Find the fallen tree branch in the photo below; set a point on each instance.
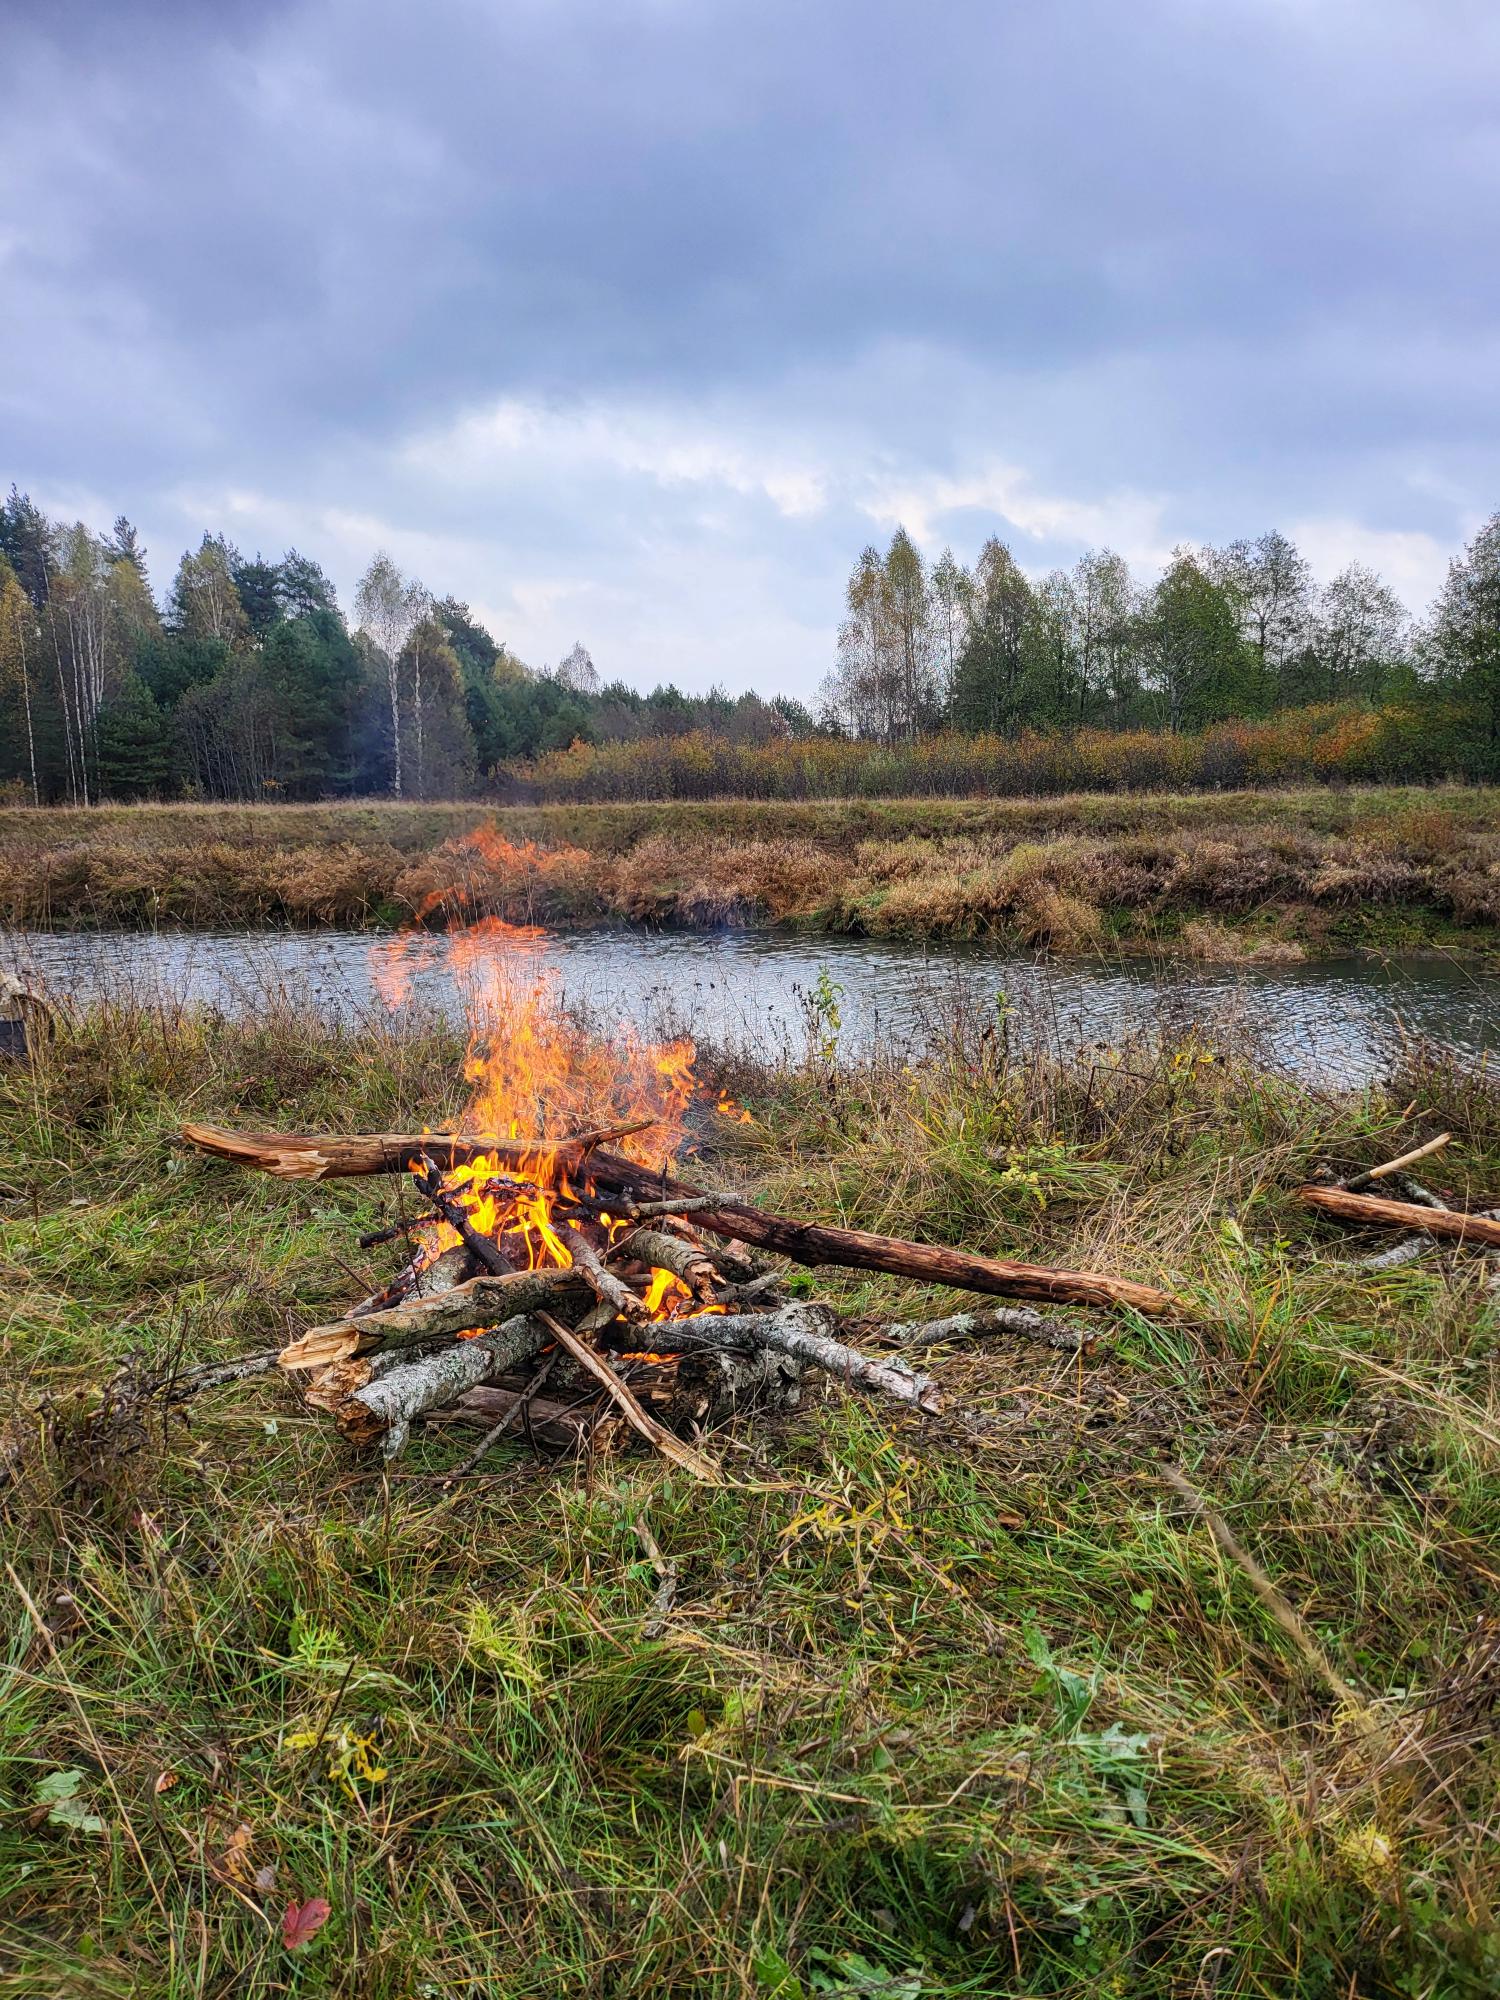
(1450, 1223)
(657, 1434)
(477, 1302)
(295, 1156)
(799, 1331)
(860, 1249)
(1019, 1320)
(383, 1410)
(497, 1431)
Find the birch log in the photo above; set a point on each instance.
(480, 1302)
(800, 1331)
(383, 1410)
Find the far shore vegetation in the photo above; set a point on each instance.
(246, 681)
(1267, 875)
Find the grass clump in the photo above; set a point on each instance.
(938, 1710)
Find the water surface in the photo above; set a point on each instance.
(1333, 1021)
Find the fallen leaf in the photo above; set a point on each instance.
(165, 1780)
(303, 1921)
(233, 1865)
(265, 1880)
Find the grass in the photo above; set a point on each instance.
(935, 1713)
(1240, 875)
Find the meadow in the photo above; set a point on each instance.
(1210, 875)
(941, 1707)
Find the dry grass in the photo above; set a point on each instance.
(1374, 870)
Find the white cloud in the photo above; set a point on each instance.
(1412, 563)
(1130, 523)
(671, 448)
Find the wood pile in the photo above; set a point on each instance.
(563, 1291)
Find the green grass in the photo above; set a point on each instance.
(937, 1711)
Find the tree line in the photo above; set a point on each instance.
(247, 681)
(1233, 633)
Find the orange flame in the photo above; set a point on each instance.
(535, 1073)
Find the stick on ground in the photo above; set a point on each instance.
(657, 1434)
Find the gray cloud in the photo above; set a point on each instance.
(735, 276)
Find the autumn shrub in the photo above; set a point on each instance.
(484, 874)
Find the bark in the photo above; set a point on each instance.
(661, 1252)
(383, 1410)
(480, 1302)
(798, 1331)
(1020, 1320)
(1448, 1223)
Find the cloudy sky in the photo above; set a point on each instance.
(631, 321)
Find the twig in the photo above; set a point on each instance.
(493, 1436)
(657, 1434)
(1358, 1181)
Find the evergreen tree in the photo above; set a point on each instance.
(135, 744)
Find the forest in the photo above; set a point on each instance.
(248, 681)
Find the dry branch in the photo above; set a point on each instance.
(1396, 1166)
(1449, 1223)
(1021, 1320)
(478, 1302)
(799, 1331)
(293, 1156)
(657, 1434)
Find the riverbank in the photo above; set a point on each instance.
(967, 1715)
(1218, 878)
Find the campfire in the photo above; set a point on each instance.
(558, 1278)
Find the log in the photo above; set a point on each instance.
(548, 1421)
(799, 1331)
(383, 1410)
(1020, 1320)
(661, 1252)
(483, 1249)
(479, 1302)
(295, 1156)
(1449, 1223)
(860, 1249)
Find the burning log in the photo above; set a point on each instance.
(660, 1252)
(298, 1156)
(383, 1410)
(478, 1302)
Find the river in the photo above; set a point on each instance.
(1331, 1021)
